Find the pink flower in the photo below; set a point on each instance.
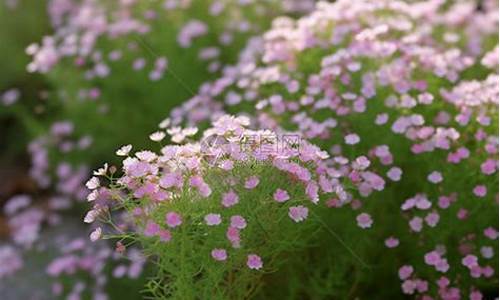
(254, 262)
(281, 195)
(480, 190)
(238, 222)
(432, 258)
(432, 219)
(435, 177)
(391, 242)
(408, 287)
(251, 182)
(462, 214)
(229, 199)
(213, 219)
(351, 139)
(96, 234)
(405, 272)
(416, 224)
(151, 228)
(233, 235)
(298, 213)
(173, 219)
(469, 261)
(165, 235)
(489, 167)
(364, 220)
(394, 174)
(476, 295)
(312, 191)
(491, 233)
(219, 254)
(171, 179)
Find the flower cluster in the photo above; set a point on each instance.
(220, 197)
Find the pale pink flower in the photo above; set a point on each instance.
(151, 229)
(213, 219)
(491, 233)
(173, 219)
(238, 222)
(364, 220)
(229, 199)
(391, 242)
(165, 235)
(435, 177)
(219, 254)
(298, 213)
(254, 262)
(233, 235)
(281, 195)
(394, 174)
(416, 224)
(352, 139)
(405, 272)
(96, 234)
(251, 182)
(480, 190)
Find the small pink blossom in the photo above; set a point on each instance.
(173, 219)
(229, 199)
(251, 182)
(489, 167)
(213, 219)
(435, 177)
(165, 235)
(394, 174)
(233, 235)
(238, 222)
(281, 195)
(491, 233)
(432, 219)
(469, 261)
(151, 229)
(254, 262)
(408, 287)
(405, 272)
(416, 224)
(391, 242)
(480, 190)
(96, 234)
(364, 220)
(298, 213)
(352, 139)
(219, 254)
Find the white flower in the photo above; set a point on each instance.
(157, 136)
(90, 216)
(93, 183)
(96, 234)
(165, 123)
(124, 151)
(190, 131)
(102, 171)
(174, 130)
(178, 134)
